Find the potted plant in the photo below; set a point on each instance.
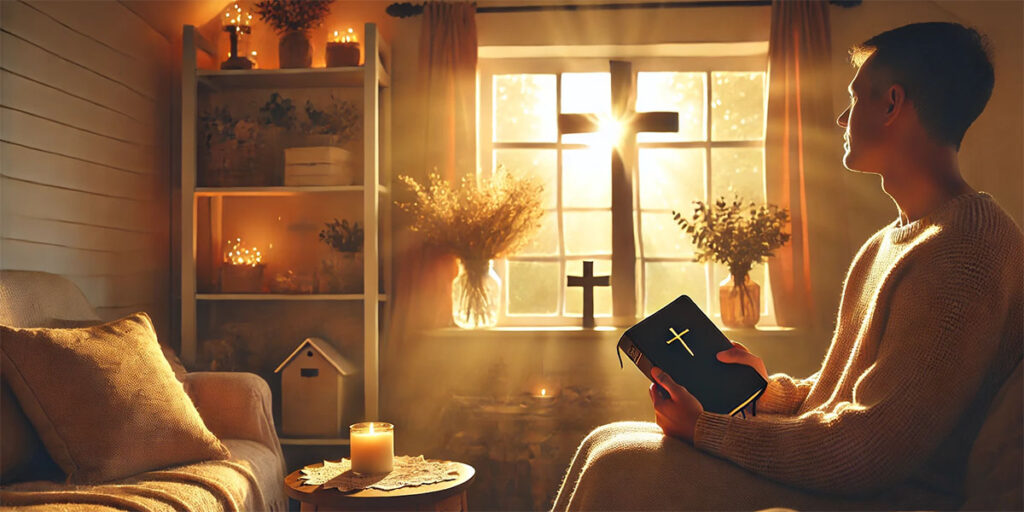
(292, 20)
(737, 234)
(477, 222)
(342, 270)
(227, 148)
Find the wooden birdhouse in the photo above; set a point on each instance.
(316, 385)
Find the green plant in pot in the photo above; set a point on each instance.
(737, 234)
(292, 20)
(342, 270)
(277, 117)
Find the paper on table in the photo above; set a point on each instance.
(407, 472)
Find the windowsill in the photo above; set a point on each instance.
(757, 334)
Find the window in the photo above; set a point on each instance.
(718, 150)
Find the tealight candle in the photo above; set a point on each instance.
(372, 447)
(342, 49)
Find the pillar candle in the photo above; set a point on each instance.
(372, 447)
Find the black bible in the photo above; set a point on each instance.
(681, 340)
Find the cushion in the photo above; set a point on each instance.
(104, 400)
(22, 454)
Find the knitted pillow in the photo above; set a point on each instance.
(104, 399)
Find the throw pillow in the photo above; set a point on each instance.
(104, 399)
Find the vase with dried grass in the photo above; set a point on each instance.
(292, 20)
(738, 234)
(477, 221)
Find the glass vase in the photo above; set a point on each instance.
(740, 301)
(476, 295)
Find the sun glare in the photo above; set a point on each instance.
(609, 132)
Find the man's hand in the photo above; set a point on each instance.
(677, 414)
(739, 354)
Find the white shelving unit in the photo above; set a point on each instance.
(374, 80)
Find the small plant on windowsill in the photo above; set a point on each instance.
(738, 234)
(477, 222)
(342, 270)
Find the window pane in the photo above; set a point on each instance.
(738, 171)
(542, 164)
(737, 105)
(545, 240)
(533, 287)
(586, 178)
(602, 294)
(524, 108)
(588, 232)
(586, 93)
(663, 238)
(673, 92)
(667, 280)
(671, 178)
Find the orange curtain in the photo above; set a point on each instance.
(445, 93)
(799, 127)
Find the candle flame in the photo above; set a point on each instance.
(371, 427)
(543, 392)
(348, 36)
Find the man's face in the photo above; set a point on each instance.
(864, 121)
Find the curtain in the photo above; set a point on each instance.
(445, 94)
(799, 129)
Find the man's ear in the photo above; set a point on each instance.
(895, 102)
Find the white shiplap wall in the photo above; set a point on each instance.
(84, 177)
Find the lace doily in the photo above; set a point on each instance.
(407, 472)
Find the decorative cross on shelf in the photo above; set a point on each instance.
(588, 281)
(624, 154)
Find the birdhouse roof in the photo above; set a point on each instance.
(327, 351)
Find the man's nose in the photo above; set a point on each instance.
(843, 118)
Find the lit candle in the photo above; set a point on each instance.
(372, 447)
(342, 49)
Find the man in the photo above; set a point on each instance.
(929, 327)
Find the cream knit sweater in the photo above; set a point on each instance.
(929, 327)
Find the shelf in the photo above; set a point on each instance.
(286, 296)
(351, 76)
(314, 441)
(280, 191)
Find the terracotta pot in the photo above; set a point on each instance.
(294, 50)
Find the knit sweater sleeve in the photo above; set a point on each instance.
(940, 329)
(785, 394)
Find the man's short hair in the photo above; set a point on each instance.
(944, 68)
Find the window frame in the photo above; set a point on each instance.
(488, 67)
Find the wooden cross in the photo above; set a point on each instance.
(588, 281)
(623, 278)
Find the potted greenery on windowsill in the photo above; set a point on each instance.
(738, 234)
(342, 270)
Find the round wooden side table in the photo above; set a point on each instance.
(447, 496)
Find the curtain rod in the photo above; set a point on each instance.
(408, 9)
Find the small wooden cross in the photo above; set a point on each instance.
(588, 281)
(624, 156)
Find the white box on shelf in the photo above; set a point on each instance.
(317, 165)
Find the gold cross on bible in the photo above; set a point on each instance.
(624, 157)
(679, 336)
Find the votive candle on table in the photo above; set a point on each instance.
(372, 446)
(342, 49)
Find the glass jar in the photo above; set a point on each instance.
(476, 295)
(740, 300)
